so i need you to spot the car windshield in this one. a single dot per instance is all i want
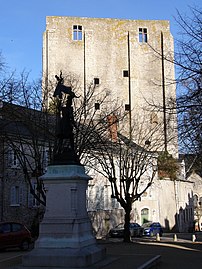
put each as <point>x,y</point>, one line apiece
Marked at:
<point>134,225</point>
<point>121,225</point>
<point>146,224</point>
<point>149,224</point>
<point>156,225</point>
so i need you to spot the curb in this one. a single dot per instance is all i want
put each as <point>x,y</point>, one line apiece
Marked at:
<point>152,262</point>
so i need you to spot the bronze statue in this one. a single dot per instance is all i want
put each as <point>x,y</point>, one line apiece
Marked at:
<point>64,152</point>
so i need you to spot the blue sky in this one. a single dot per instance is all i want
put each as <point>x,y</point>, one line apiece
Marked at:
<point>23,22</point>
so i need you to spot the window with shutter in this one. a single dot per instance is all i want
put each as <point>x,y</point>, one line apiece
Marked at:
<point>32,201</point>
<point>13,161</point>
<point>15,196</point>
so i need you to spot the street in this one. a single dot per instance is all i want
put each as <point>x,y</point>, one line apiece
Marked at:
<point>10,258</point>
<point>182,253</point>
<point>174,255</point>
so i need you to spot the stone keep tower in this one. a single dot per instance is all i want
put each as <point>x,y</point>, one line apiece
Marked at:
<point>123,56</point>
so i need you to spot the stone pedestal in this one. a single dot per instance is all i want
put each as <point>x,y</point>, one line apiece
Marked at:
<point>66,239</point>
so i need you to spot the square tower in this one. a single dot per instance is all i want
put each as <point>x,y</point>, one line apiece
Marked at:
<point>130,58</point>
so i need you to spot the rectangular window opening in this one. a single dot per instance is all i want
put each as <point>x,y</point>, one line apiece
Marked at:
<point>143,35</point>
<point>13,159</point>
<point>15,196</point>
<point>96,81</point>
<point>125,73</point>
<point>32,201</point>
<point>77,32</point>
<point>127,107</point>
<point>97,106</point>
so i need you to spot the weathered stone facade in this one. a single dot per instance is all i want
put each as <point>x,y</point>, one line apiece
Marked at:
<point>123,55</point>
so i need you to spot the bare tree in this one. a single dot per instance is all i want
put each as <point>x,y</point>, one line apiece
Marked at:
<point>27,134</point>
<point>129,165</point>
<point>28,125</point>
<point>188,61</point>
<point>25,128</point>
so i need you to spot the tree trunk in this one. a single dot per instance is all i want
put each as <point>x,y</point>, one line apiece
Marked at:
<point>127,236</point>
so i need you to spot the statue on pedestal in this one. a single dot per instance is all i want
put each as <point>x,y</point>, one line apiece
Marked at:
<point>66,238</point>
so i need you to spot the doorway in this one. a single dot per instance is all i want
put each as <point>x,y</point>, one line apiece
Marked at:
<point>144,215</point>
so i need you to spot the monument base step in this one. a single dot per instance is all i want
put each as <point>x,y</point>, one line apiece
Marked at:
<point>63,258</point>
<point>98,265</point>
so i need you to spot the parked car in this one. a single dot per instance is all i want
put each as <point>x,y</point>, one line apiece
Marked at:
<point>118,231</point>
<point>152,228</point>
<point>14,234</point>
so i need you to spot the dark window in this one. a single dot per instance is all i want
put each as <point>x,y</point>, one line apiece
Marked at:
<point>143,35</point>
<point>77,32</point>
<point>125,73</point>
<point>96,81</point>
<point>97,106</point>
<point>127,107</point>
